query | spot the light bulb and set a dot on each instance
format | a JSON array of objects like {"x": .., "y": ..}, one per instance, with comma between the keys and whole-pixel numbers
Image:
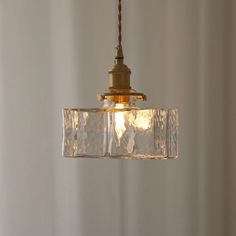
[
  {"x": 119, "y": 121},
  {"x": 141, "y": 121}
]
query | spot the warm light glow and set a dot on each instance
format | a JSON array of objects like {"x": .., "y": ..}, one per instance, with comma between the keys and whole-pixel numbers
[
  {"x": 119, "y": 106},
  {"x": 143, "y": 119},
  {"x": 119, "y": 121}
]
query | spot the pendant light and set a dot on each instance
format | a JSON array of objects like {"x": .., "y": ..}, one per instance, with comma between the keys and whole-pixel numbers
[{"x": 120, "y": 129}]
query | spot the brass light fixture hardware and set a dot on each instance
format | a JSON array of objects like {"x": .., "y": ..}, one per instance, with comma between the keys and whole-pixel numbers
[{"x": 119, "y": 76}]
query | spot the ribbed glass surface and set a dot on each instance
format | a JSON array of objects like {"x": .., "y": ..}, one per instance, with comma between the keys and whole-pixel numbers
[{"x": 121, "y": 134}]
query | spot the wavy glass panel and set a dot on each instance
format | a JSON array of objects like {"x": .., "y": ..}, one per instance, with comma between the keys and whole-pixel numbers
[{"x": 122, "y": 134}]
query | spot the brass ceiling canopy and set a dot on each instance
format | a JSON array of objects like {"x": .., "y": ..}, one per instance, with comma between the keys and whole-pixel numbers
[{"x": 119, "y": 76}]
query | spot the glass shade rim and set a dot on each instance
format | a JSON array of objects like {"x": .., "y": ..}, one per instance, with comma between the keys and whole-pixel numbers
[
  {"x": 118, "y": 109},
  {"x": 122, "y": 157}
]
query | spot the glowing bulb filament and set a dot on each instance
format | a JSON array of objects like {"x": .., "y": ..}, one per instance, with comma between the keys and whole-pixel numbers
[
  {"x": 120, "y": 121},
  {"x": 120, "y": 124}
]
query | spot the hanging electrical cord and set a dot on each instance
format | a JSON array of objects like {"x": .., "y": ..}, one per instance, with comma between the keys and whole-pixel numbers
[{"x": 119, "y": 23}]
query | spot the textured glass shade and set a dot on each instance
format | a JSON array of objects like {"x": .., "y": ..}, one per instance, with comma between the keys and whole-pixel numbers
[{"x": 120, "y": 134}]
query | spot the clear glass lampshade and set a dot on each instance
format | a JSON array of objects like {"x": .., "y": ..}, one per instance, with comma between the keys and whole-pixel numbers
[{"x": 120, "y": 131}]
